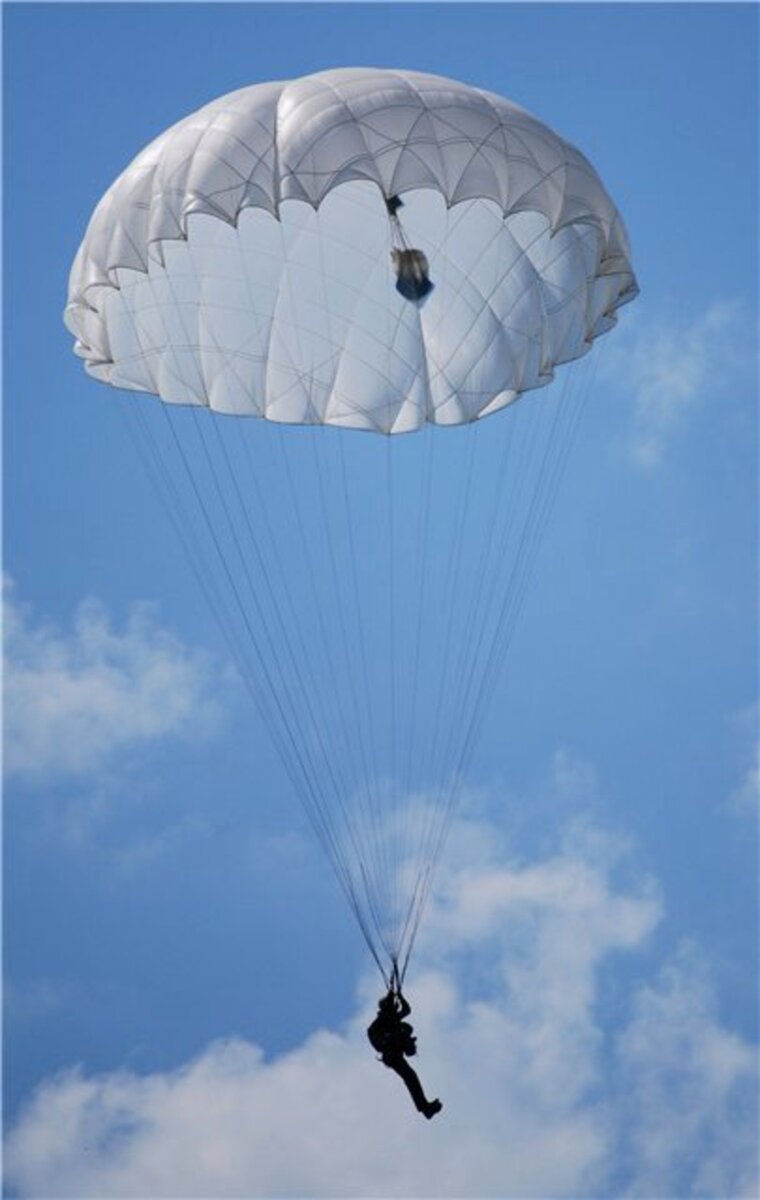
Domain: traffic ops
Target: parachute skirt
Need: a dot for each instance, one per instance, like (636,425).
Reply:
(307,319)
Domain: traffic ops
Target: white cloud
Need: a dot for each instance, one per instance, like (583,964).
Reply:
(76,698)
(689,1082)
(33,999)
(744,800)
(670,368)
(546,1092)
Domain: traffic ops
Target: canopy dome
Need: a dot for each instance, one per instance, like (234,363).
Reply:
(368,133)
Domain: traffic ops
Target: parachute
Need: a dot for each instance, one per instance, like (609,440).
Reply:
(357,250)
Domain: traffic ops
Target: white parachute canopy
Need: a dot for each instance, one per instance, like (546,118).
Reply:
(367,249)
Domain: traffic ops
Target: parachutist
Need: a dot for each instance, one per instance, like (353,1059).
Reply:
(394,1040)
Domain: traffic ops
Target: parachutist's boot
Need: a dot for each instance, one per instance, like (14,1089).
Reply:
(432,1108)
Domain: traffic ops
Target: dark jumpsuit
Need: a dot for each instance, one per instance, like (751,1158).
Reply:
(393,1038)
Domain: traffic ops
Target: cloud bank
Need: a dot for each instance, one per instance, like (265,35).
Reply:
(555,1081)
(76,698)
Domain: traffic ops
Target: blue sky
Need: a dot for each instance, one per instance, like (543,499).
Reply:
(162,889)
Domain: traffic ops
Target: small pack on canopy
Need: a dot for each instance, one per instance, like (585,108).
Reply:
(412,273)
(411,266)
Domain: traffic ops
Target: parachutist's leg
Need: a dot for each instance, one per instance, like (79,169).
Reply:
(398,1063)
